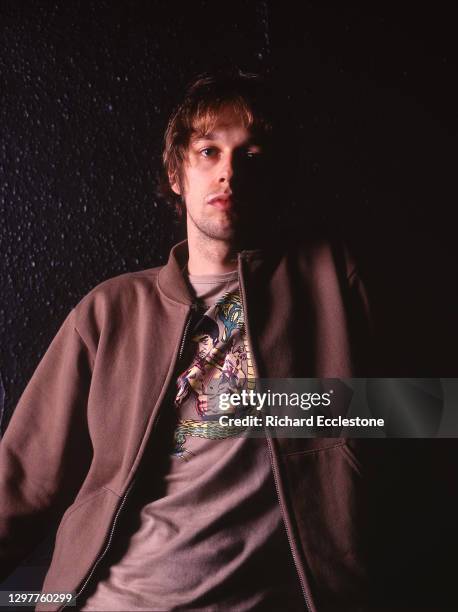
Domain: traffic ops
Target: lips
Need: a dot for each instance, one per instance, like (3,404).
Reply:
(221,201)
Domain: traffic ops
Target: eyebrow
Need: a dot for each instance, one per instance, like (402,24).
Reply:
(209,136)
(213,136)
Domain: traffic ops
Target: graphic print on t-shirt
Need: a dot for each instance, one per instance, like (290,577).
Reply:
(221,364)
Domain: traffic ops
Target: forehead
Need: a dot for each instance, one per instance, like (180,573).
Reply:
(217,123)
(224,134)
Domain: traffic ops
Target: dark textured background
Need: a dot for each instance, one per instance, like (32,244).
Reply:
(86,91)
(87,87)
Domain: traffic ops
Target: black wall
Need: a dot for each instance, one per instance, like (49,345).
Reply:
(87,88)
(86,91)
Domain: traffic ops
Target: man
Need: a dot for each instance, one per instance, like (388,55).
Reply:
(160,507)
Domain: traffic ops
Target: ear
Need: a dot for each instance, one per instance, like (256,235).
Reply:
(174,184)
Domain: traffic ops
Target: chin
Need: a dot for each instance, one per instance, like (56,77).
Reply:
(220,232)
(229,236)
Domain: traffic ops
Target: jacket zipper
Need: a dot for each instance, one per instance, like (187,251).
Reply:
(101,556)
(193,309)
(288,533)
(269,446)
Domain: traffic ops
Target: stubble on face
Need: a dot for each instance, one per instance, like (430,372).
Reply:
(213,240)
(221,226)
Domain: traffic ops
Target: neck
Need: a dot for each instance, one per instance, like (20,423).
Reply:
(207,256)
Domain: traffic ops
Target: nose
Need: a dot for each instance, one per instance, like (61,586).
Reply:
(226,170)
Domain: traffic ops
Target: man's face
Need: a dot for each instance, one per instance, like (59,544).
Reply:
(205,343)
(220,178)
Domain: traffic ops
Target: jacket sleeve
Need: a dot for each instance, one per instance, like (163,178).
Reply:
(46,451)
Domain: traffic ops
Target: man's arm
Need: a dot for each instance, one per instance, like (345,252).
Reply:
(46,451)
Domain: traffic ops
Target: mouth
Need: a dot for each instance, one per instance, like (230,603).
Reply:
(222,201)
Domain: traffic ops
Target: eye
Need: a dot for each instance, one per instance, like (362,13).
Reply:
(254,153)
(208,152)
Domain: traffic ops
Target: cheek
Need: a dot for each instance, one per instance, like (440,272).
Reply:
(197,179)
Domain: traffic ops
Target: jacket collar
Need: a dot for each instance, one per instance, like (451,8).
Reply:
(171,279)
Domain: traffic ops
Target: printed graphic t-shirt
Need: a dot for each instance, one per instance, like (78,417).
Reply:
(213,539)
